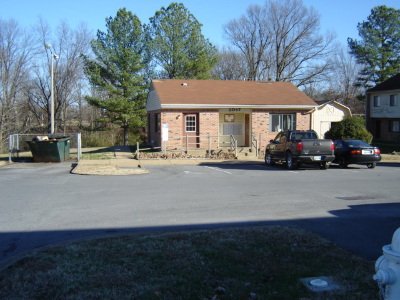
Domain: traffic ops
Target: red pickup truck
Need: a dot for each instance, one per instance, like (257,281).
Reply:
(295,147)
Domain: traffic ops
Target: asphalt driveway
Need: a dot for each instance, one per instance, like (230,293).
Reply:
(43,204)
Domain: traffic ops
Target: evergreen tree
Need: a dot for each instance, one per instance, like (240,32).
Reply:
(378,51)
(178,45)
(118,70)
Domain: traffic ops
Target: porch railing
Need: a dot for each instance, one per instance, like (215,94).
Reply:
(233,142)
(200,142)
(254,143)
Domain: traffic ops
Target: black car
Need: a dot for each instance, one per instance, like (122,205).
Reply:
(356,152)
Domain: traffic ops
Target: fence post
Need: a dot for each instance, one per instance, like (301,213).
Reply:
(10,146)
(17,144)
(256,148)
(137,150)
(235,147)
(79,145)
(209,144)
(187,141)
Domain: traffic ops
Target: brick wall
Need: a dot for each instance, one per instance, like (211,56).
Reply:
(260,124)
(174,119)
(260,127)
(303,121)
(209,123)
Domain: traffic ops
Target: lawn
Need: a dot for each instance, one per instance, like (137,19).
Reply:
(246,263)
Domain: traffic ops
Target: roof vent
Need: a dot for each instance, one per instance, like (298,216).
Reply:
(184,84)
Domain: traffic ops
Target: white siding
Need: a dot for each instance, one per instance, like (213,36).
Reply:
(324,115)
(385,110)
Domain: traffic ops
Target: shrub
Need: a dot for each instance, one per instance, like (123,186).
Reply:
(349,128)
(108,138)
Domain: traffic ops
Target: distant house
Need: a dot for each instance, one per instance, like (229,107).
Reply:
(326,113)
(208,113)
(383,110)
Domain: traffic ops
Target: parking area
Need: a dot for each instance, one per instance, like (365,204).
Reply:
(43,204)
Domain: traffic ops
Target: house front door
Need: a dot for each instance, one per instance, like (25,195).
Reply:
(191,131)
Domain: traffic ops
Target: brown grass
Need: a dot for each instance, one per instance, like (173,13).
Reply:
(252,263)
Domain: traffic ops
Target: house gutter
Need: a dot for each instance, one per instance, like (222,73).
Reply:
(215,106)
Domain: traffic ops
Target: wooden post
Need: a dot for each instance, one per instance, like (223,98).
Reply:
(79,146)
(236,148)
(209,145)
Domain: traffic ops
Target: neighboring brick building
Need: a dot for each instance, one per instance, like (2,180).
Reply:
(383,110)
(205,113)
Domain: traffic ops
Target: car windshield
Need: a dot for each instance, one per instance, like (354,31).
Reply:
(306,135)
(356,144)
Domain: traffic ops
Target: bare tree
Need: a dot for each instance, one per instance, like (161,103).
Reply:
(299,52)
(69,78)
(250,35)
(344,75)
(281,42)
(14,59)
(231,65)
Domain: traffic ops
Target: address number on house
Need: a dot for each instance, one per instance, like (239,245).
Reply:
(234,109)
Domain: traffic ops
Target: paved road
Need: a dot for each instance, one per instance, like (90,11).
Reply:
(43,204)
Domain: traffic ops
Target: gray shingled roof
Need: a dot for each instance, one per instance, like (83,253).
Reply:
(393,83)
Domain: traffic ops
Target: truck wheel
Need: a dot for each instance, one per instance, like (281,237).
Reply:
(268,160)
(290,164)
(324,165)
(371,165)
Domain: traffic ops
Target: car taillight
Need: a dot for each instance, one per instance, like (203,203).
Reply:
(299,147)
(355,152)
(377,151)
(332,146)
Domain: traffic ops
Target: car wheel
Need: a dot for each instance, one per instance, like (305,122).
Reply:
(342,163)
(290,164)
(324,166)
(268,160)
(371,165)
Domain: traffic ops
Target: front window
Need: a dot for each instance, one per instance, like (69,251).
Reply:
(190,123)
(395,126)
(393,100)
(377,101)
(281,122)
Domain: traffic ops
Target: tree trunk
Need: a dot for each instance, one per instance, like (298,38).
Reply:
(126,135)
(49,120)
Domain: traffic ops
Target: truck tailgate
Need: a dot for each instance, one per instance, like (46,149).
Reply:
(317,147)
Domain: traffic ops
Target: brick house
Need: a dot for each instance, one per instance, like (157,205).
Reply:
(383,110)
(206,113)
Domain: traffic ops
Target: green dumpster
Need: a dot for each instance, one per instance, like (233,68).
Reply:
(52,150)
